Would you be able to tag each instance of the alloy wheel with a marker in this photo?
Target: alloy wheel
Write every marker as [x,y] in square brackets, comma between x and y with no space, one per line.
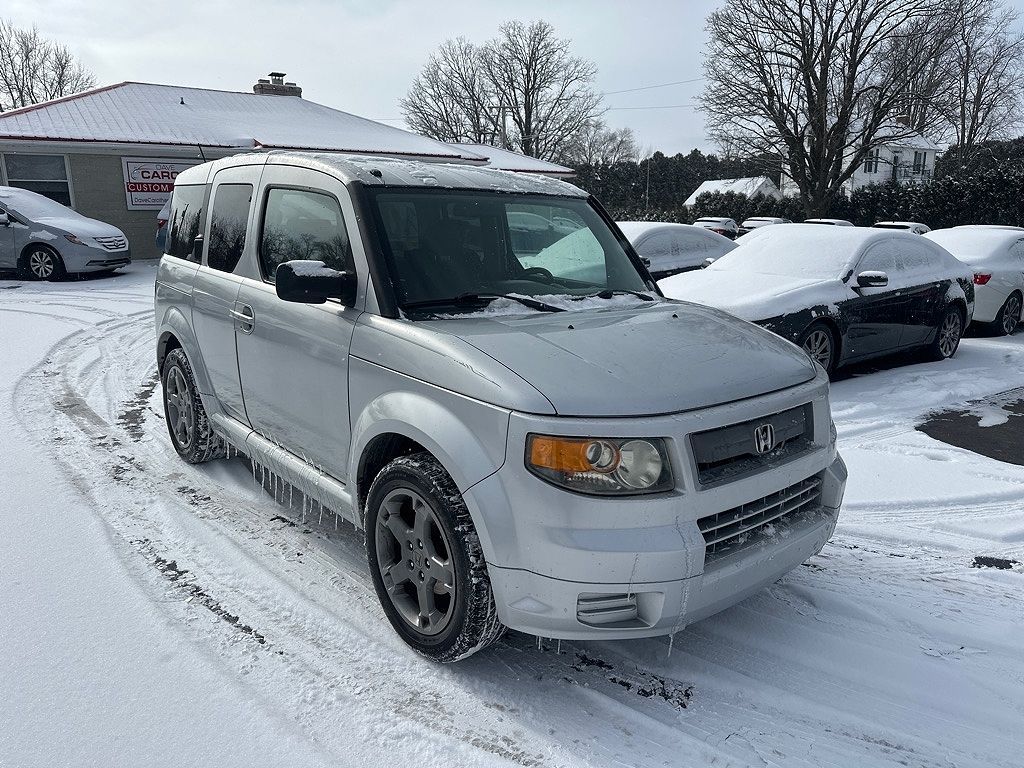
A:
[41,264]
[1011,314]
[180,412]
[818,345]
[949,334]
[414,558]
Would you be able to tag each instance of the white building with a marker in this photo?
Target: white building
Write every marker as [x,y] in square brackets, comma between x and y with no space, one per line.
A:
[756,185]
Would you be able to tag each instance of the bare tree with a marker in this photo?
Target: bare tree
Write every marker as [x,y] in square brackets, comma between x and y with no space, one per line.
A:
[987,62]
[451,99]
[522,90]
[34,69]
[818,83]
[597,144]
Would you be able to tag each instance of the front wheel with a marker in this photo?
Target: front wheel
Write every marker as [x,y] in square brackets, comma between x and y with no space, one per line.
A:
[42,263]
[819,343]
[426,562]
[948,335]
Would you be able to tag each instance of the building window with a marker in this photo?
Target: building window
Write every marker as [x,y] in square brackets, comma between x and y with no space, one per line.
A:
[871,161]
[919,158]
[44,174]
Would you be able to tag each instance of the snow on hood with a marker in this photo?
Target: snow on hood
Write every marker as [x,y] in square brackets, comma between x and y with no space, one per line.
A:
[80,225]
[511,308]
[616,361]
[753,296]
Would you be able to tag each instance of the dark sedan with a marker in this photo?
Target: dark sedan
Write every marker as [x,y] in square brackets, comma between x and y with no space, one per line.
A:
[844,294]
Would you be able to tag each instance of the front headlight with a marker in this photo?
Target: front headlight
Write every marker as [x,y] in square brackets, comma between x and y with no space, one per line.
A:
[604,466]
[75,239]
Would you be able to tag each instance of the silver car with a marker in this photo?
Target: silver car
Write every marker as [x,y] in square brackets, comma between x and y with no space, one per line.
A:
[532,438]
[45,240]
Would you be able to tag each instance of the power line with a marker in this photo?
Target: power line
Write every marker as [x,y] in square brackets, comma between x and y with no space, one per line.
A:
[657,106]
[649,87]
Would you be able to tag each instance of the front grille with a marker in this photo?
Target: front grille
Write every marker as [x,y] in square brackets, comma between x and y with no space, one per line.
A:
[112,243]
[734,527]
[725,453]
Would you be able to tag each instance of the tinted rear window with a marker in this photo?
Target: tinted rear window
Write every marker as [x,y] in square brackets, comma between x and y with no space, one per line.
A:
[228,222]
[184,220]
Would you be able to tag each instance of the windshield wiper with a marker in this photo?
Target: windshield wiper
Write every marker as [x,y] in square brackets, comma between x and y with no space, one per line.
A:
[607,293]
[464,299]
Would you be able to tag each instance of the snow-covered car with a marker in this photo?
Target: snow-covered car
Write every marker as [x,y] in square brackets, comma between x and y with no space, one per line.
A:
[674,248]
[45,240]
[534,440]
[989,226]
[724,227]
[997,257]
[754,222]
[161,226]
[844,294]
[907,226]
[830,222]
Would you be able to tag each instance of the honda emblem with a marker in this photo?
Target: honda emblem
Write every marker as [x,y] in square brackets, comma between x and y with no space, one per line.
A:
[764,439]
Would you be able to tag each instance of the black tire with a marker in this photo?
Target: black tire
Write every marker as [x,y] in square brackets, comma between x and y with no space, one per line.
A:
[947,334]
[41,262]
[1009,316]
[187,423]
[410,489]
[819,341]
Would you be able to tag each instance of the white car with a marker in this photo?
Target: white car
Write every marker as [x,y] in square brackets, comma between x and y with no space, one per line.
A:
[725,227]
[997,256]
[907,226]
[755,222]
[830,222]
[674,248]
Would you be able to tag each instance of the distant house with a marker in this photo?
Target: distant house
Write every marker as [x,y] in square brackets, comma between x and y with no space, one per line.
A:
[906,160]
[756,185]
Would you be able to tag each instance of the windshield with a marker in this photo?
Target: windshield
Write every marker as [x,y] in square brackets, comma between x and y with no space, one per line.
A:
[780,250]
[35,207]
[443,245]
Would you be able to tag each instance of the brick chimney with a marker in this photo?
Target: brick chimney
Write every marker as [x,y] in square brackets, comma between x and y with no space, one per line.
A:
[276,86]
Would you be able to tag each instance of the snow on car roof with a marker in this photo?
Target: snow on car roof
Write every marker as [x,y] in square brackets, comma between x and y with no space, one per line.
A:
[397,172]
[975,243]
[635,229]
[820,251]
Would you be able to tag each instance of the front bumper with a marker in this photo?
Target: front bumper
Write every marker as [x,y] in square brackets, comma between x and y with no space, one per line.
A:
[553,556]
[83,258]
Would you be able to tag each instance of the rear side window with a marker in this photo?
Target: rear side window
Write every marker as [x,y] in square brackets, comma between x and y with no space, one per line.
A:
[230,214]
[303,225]
[183,223]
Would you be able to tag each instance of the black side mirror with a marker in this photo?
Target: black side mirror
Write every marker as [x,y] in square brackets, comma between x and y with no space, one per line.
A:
[313,282]
[872,279]
[646,261]
[5,220]
[197,249]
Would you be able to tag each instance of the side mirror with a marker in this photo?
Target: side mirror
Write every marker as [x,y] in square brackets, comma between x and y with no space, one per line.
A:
[872,280]
[197,249]
[5,220]
[313,282]
[646,261]
[707,262]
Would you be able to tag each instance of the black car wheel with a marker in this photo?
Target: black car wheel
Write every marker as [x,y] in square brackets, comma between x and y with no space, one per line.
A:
[819,343]
[191,434]
[1008,319]
[42,263]
[948,334]
[426,562]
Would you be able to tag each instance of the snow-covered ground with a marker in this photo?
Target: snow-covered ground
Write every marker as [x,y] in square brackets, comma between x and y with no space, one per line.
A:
[153,613]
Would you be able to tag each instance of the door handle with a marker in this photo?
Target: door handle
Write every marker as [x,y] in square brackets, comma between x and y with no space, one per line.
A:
[244,317]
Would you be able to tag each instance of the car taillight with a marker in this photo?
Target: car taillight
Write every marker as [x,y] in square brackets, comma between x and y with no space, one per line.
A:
[982,278]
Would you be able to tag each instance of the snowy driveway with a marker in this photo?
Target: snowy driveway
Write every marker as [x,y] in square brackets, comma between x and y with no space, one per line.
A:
[155,613]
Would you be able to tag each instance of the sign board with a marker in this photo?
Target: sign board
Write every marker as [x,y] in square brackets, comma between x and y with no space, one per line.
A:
[148,182]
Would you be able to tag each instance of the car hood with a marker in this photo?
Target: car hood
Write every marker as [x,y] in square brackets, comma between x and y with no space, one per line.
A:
[78,225]
[642,360]
[753,296]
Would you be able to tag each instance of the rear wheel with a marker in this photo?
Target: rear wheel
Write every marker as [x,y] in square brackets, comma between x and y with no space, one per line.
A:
[819,342]
[948,335]
[1008,319]
[41,262]
[426,562]
[189,428]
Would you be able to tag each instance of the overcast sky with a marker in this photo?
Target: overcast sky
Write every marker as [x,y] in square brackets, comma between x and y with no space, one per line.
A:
[361,55]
